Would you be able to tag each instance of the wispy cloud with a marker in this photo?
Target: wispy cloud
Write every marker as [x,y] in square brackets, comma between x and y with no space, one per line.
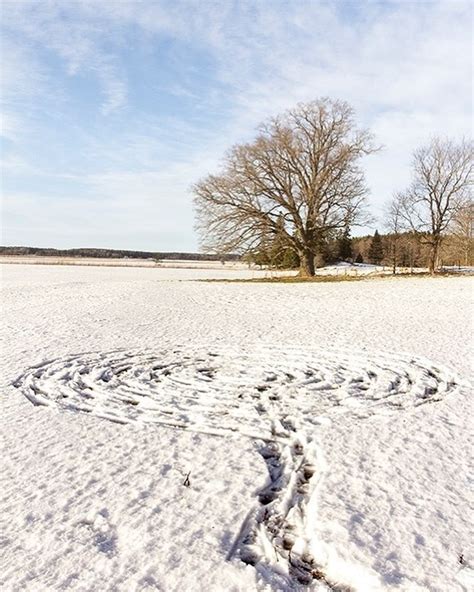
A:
[76,35]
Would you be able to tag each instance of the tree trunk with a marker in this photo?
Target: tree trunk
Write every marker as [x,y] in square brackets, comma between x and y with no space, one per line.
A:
[433,258]
[394,255]
[306,263]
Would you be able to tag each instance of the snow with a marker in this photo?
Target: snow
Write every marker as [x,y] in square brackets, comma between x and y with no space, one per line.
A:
[166,434]
[218,269]
[461,269]
[346,268]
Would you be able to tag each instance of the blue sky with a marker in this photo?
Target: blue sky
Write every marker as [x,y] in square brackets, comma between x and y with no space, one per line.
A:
[111,110]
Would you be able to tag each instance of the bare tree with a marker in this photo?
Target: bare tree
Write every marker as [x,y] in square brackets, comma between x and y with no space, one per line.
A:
[394,225]
[463,231]
[300,178]
[440,189]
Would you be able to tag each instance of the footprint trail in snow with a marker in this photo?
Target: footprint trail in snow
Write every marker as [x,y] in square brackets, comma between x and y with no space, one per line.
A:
[277,396]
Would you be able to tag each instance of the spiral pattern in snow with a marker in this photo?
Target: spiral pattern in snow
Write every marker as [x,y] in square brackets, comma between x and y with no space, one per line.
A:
[221,390]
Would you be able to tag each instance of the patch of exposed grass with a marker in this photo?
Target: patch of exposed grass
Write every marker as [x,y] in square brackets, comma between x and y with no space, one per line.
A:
[296,279]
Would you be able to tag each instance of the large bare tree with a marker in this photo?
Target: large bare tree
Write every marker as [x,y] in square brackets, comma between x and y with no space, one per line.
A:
[300,178]
[442,182]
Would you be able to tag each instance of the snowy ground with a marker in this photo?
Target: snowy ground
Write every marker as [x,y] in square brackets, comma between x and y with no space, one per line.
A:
[217,266]
[175,435]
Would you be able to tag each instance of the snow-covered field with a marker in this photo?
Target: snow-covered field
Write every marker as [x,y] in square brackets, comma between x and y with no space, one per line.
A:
[164,269]
[165,434]
[122,262]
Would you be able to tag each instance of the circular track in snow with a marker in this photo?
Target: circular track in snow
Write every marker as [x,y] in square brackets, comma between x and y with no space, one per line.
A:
[221,390]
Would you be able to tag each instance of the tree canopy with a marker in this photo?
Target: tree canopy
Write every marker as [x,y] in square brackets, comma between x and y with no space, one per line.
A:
[441,188]
[300,178]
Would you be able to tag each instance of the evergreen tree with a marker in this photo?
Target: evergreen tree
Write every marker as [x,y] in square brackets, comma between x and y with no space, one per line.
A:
[345,246]
[273,251]
[289,259]
[359,258]
[376,249]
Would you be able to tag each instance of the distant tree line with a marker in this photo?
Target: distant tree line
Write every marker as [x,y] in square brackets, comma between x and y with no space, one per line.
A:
[291,197]
[116,254]
[406,250]
[409,249]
